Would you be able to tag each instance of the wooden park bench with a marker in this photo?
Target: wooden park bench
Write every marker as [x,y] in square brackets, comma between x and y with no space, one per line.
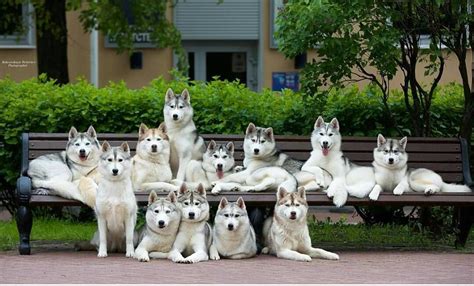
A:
[446,156]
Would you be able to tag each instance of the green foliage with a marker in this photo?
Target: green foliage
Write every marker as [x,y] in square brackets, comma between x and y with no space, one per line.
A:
[220,107]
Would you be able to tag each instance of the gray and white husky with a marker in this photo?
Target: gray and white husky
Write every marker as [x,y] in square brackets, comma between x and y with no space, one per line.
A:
[194,235]
[116,206]
[218,162]
[265,168]
[151,164]
[327,155]
[186,144]
[286,233]
[392,172]
[159,233]
[59,173]
[232,234]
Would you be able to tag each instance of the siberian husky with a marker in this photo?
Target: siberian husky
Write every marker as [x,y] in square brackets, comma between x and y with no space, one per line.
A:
[194,234]
[264,166]
[218,161]
[116,206]
[159,233]
[327,155]
[286,233]
[232,234]
[151,164]
[59,173]
[392,172]
[186,144]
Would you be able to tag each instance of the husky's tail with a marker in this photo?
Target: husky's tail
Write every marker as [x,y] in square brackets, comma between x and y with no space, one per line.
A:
[453,188]
[159,187]
[360,189]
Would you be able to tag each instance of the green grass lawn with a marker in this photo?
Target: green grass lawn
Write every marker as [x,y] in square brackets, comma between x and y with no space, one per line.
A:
[323,234]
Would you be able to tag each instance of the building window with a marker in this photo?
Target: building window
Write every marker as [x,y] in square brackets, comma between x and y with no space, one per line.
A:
[18,14]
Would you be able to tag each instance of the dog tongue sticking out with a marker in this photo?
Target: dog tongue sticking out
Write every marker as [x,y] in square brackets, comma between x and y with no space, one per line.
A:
[325,151]
[220,173]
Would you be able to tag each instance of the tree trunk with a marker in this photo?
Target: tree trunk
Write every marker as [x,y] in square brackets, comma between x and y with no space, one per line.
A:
[51,40]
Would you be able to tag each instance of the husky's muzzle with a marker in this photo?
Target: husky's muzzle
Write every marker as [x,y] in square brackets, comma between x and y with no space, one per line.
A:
[230,227]
[82,155]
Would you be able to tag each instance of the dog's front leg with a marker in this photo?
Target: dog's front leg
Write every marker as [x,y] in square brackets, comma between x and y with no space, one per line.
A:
[183,163]
[141,253]
[375,193]
[292,255]
[158,255]
[338,191]
[401,188]
[321,253]
[176,256]
[129,232]
[102,225]
[213,253]
[200,249]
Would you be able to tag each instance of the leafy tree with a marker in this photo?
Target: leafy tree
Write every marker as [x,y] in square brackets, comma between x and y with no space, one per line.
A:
[364,40]
[108,16]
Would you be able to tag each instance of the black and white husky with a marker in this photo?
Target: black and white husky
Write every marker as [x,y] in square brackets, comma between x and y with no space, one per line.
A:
[59,173]
[186,144]
[392,173]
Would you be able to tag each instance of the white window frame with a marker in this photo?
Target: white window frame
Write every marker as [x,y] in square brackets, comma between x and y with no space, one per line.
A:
[25,41]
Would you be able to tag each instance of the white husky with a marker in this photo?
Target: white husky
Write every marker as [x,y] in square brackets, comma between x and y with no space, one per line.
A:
[232,235]
[286,233]
[59,173]
[116,206]
[392,172]
[186,144]
[194,234]
[151,165]
[162,223]
[218,162]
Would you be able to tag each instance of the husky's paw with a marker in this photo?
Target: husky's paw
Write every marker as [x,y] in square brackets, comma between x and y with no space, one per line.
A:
[130,253]
[41,192]
[102,254]
[238,169]
[330,192]
[340,198]
[398,191]
[247,189]
[214,256]
[332,256]
[373,196]
[265,250]
[303,257]
[216,190]
[431,190]
[142,257]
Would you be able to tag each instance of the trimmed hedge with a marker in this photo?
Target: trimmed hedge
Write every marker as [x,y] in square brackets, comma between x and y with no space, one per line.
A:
[37,105]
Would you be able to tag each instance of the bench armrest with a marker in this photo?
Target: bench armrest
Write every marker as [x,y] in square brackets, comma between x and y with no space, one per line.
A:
[466,170]
[23,190]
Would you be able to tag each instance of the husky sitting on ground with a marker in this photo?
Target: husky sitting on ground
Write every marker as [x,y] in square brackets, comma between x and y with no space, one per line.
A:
[186,144]
[232,235]
[392,172]
[218,162]
[150,166]
[265,168]
[116,206]
[286,233]
[194,234]
[159,233]
[59,173]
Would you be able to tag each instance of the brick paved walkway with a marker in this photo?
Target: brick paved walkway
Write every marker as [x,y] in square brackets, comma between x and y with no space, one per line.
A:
[66,266]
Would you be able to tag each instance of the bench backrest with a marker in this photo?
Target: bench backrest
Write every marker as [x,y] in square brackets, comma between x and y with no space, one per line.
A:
[443,155]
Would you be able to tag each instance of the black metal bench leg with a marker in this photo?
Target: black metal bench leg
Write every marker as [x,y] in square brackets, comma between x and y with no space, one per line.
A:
[24,218]
[257,218]
[465,220]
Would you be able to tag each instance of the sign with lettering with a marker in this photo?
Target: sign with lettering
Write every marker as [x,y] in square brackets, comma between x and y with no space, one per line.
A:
[282,80]
[140,40]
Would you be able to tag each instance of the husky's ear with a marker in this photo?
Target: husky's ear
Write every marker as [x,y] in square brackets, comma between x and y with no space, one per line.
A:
[381,140]
[186,96]
[319,122]
[183,189]
[142,130]
[91,132]
[72,133]
[223,203]
[124,146]
[241,203]
[302,193]
[169,95]
[172,197]
[162,127]
[152,197]
[281,193]
[334,124]
[250,129]
[269,133]
[200,190]
[105,146]
[403,142]
[211,146]
[230,147]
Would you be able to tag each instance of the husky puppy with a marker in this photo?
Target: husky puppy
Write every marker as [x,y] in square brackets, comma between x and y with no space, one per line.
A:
[150,166]
[116,206]
[162,223]
[264,166]
[286,233]
[59,173]
[232,235]
[186,144]
[194,234]
[392,172]
[218,161]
